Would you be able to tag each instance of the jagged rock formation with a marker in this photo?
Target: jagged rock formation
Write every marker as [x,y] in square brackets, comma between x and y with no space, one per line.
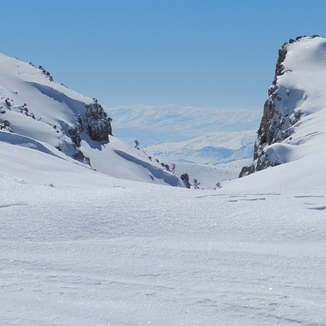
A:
[279,115]
[95,122]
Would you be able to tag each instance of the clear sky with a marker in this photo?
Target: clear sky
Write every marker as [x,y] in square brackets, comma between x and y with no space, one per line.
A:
[203,53]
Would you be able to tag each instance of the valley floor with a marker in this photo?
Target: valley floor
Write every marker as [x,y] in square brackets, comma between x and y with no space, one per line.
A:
[135,254]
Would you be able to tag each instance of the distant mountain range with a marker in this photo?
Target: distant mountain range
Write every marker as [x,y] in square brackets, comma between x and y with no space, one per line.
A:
[188,134]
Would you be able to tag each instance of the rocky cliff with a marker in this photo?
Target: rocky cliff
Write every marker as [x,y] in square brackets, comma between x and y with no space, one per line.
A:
[282,107]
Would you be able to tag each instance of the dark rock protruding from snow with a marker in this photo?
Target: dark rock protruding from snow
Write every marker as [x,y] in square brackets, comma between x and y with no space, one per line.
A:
[98,123]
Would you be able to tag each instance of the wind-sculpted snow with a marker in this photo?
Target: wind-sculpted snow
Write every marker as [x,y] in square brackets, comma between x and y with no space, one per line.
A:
[75,106]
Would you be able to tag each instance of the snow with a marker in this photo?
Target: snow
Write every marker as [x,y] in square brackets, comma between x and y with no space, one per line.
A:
[79,249]
[82,247]
[210,148]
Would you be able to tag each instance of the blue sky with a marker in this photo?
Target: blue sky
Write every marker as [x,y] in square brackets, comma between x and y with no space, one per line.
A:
[203,53]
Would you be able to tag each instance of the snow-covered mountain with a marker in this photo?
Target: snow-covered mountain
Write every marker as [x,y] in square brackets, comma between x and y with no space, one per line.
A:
[41,114]
[79,247]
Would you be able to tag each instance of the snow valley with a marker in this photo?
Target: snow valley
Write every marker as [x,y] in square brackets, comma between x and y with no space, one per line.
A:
[110,237]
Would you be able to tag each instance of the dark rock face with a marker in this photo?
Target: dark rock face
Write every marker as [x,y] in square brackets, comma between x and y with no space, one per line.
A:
[279,116]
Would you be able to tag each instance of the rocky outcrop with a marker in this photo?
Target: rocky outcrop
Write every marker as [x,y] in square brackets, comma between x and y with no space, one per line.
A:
[279,116]
[96,122]
[75,136]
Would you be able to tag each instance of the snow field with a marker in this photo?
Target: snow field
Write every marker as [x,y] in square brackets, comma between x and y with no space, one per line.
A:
[155,255]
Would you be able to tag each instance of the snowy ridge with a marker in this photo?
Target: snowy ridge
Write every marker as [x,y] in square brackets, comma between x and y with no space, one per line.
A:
[210,159]
[41,114]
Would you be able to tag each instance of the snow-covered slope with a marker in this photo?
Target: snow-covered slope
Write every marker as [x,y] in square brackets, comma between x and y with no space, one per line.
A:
[39,113]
